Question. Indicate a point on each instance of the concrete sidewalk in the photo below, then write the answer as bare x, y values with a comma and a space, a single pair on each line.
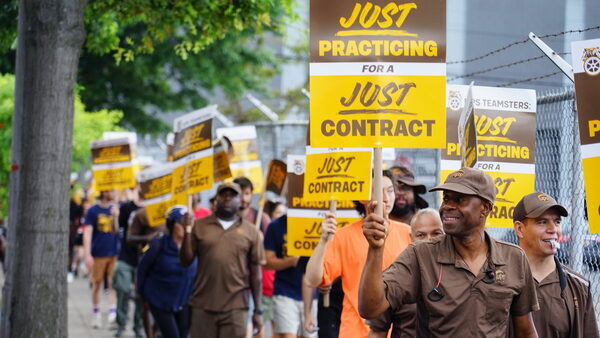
80, 312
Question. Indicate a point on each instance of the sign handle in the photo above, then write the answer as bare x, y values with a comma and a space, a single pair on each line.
261, 201
190, 204
377, 177
332, 209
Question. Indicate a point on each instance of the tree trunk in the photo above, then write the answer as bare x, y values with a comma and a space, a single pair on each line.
50, 36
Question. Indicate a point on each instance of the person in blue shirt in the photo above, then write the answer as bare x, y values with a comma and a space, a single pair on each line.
163, 282
101, 245
290, 313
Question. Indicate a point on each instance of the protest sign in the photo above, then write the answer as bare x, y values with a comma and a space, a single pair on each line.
505, 143
192, 154
304, 217
342, 174
221, 161
467, 136
112, 164
245, 160
377, 73
276, 175
155, 189
586, 66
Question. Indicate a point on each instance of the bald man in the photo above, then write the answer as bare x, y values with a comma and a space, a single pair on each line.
425, 224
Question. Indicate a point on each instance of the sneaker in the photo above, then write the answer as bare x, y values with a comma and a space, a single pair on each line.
138, 333
96, 320
70, 277
112, 317
119, 332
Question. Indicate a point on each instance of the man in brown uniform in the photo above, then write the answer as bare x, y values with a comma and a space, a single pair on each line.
566, 306
426, 224
465, 283
230, 253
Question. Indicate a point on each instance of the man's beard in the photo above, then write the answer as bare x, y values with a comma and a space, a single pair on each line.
403, 211
226, 213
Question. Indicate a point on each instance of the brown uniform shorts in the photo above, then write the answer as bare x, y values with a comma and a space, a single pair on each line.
103, 266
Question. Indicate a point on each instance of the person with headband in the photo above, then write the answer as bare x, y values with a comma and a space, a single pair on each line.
465, 283
566, 304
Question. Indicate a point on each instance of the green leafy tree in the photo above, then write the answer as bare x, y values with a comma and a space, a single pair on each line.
50, 37
88, 126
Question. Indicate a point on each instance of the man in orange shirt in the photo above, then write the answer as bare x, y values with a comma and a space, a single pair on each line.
344, 255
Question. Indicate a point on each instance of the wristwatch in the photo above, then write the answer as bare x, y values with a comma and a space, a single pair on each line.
188, 229
258, 312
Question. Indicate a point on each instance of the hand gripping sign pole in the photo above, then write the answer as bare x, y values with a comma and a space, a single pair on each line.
337, 174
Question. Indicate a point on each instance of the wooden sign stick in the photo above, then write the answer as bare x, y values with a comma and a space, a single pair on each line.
377, 177
332, 209
261, 201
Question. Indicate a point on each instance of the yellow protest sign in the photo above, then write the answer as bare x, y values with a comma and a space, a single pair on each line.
505, 143
586, 67
276, 175
221, 166
467, 136
245, 160
304, 217
111, 164
337, 174
192, 154
304, 228
377, 73
155, 189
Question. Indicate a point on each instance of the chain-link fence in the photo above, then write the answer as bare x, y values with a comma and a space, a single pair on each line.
558, 173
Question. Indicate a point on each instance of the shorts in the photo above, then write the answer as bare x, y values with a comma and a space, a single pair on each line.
268, 307
103, 267
289, 316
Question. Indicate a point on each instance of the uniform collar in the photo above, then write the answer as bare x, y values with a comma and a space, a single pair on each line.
447, 253
212, 219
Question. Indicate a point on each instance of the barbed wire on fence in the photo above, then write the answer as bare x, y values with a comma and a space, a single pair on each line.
515, 43
504, 66
529, 79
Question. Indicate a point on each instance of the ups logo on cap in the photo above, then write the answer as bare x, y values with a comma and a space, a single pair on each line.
458, 174
543, 198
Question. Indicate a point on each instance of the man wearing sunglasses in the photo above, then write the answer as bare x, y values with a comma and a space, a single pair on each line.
465, 283
566, 305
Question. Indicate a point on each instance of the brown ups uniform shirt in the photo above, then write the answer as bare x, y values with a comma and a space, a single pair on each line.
404, 321
224, 256
566, 306
470, 307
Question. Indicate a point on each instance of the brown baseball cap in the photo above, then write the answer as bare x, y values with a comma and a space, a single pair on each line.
535, 204
470, 181
406, 176
229, 185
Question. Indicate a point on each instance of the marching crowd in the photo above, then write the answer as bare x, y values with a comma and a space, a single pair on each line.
411, 272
